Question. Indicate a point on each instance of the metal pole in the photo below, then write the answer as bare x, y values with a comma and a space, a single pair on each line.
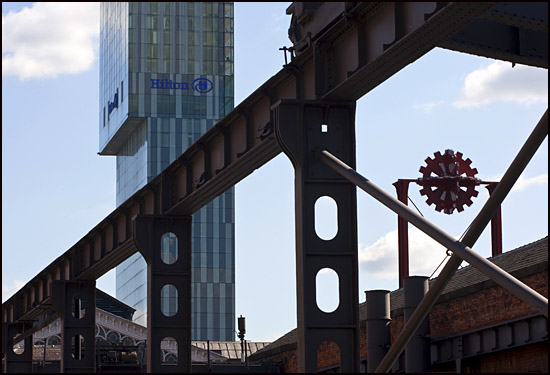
473, 233
208, 356
246, 355
402, 187
496, 226
45, 347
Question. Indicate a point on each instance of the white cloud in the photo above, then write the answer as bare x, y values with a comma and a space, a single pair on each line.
379, 260
49, 39
524, 182
9, 290
427, 108
500, 82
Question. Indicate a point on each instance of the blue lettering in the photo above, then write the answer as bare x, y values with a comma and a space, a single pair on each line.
201, 85
114, 104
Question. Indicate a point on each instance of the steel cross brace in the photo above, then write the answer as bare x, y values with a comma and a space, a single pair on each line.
301, 127
460, 249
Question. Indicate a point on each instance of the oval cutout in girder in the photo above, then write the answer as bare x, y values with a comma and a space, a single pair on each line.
18, 348
327, 287
326, 218
169, 300
169, 248
169, 351
78, 306
77, 347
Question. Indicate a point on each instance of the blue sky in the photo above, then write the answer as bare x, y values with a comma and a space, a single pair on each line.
55, 187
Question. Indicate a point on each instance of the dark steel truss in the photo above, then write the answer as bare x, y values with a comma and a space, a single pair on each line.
341, 51
461, 250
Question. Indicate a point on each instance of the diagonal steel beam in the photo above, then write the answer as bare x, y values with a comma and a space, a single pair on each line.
474, 231
460, 249
495, 273
356, 42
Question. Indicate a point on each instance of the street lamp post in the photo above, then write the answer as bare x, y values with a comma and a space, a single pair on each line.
242, 331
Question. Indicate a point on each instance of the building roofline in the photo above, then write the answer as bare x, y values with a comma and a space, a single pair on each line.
521, 262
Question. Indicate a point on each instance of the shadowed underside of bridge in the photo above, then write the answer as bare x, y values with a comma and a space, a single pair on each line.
340, 52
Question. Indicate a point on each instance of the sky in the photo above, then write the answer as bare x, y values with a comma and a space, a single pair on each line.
55, 187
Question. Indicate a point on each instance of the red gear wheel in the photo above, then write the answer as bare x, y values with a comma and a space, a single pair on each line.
448, 181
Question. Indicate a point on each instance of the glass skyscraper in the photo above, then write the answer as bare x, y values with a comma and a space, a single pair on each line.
166, 77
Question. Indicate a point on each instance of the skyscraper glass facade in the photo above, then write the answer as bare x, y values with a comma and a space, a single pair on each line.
166, 77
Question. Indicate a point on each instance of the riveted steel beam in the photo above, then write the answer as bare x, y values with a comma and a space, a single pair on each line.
511, 31
527, 15
395, 34
168, 287
301, 127
350, 49
17, 358
244, 140
75, 303
501, 41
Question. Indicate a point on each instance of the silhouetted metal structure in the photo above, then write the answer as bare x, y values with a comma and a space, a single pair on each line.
449, 183
341, 51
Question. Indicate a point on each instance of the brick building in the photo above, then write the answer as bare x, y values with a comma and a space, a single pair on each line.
475, 325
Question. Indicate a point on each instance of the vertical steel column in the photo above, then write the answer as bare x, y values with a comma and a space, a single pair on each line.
417, 351
13, 362
496, 225
301, 128
402, 187
148, 232
378, 327
69, 297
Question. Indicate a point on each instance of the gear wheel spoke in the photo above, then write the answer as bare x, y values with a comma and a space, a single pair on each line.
448, 181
